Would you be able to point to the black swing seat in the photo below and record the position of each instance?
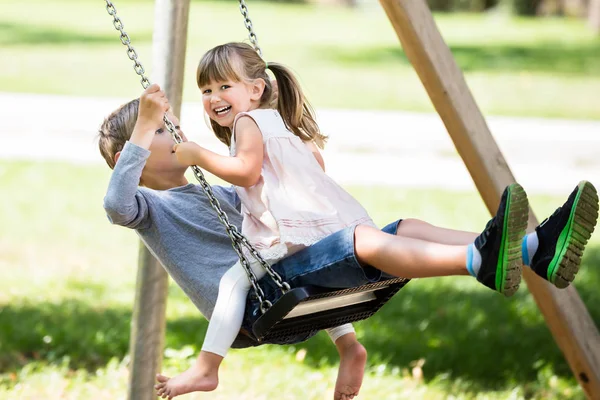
(303, 311)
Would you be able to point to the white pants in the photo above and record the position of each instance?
(228, 314)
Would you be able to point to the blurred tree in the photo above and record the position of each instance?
(524, 7)
(461, 5)
(440, 5)
(594, 15)
(473, 5)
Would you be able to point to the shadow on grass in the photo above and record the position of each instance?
(472, 334)
(21, 34)
(545, 57)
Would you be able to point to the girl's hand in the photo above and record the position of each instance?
(188, 153)
(153, 106)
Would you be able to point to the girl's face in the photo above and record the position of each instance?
(223, 100)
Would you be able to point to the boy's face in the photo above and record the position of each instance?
(162, 158)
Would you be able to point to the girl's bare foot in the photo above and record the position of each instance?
(203, 376)
(353, 358)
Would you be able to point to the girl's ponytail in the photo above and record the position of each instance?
(293, 106)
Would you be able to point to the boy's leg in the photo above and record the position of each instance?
(555, 248)
(223, 328)
(497, 251)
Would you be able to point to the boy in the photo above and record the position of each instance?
(175, 220)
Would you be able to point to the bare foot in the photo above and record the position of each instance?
(353, 358)
(203, 376)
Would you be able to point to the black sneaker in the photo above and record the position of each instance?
(563, 236)
(500, 243)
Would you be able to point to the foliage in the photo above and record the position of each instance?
(67, 289)
(345, 58)
(462, 5)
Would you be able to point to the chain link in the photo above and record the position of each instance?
(131, 53)
(248, 24)
(238, 240)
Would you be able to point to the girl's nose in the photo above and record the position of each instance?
(214, 99)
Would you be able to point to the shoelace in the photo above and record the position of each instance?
(554, 214)
(483, 238)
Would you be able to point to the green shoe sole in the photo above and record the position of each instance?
(510, 260)
(574, 236)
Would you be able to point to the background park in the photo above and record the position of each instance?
(68, 276)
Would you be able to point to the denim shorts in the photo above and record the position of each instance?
(330, 262)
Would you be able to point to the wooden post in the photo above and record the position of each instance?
(147, 326)
(594, 16)
(148, 322)
(565, 313)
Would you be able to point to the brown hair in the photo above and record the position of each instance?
(239, 61)
(116, 130)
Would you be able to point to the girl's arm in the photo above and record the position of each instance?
(242, 170)
(315, 150)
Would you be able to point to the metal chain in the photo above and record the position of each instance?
(248, 23)
(237, 239)
(118, 24)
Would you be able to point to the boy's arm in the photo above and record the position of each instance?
(242, 170)
(124, 203)
(228, 194)
(153, 106)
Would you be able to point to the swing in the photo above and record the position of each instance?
(276, 312)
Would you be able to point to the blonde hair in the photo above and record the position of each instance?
(116, 130)
(239, 61)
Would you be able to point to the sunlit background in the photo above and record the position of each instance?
(68, 276)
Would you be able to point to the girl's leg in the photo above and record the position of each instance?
(227, 316)
(223, 328)
(353, 358)
(339, 331)
(417, 229)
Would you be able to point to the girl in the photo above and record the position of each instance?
(289, 203)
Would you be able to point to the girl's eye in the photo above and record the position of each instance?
(224, 87)
(207, 91)
(159, 131)
(178, 127)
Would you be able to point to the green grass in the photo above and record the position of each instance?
(345, 58)
(67, 290)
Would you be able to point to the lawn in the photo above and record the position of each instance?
(67, 290)
(346, 58)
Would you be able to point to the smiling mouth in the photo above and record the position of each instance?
(222, 110)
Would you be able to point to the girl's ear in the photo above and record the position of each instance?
(258, 87)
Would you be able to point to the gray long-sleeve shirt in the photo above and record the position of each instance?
(178, 226)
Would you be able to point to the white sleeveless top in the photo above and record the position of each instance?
(294, 204)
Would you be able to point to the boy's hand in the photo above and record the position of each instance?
(153, 106)
(188, 153)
